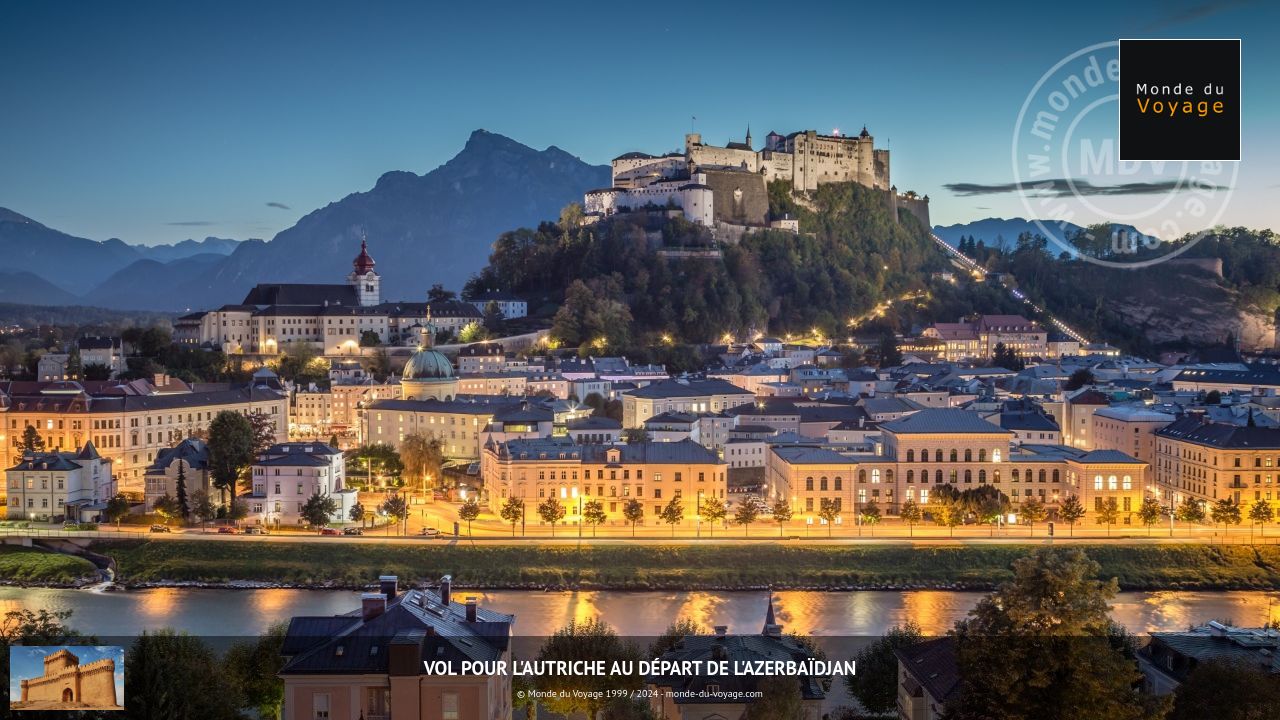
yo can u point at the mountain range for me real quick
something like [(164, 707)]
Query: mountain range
[(422, 229), (991, 231)]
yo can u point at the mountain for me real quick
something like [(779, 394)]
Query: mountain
[(991, 230), (187, 248), (24, 287), (151, 284), (422, 229)]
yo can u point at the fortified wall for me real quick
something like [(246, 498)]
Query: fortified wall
[(66, 681)]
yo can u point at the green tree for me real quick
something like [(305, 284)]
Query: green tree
[(551, 511), (829, 510), (1226, 512), (1022, 648), (494, 322), (380, 364), (871, 515), (1213, 397), (396, 508), (469, 511), (1079, 379), (673, 513), (264, 431), (675, 633), (1150, 512), (633, 512), (184, 509), (512, 512), (166, 507), (251, 667), (75, 367), (231, 448), (171, 675), (747, 512), (97, 372), (318, 510), (31, 441), (1223, 690), (875, 685), (591, 640), (1108, 513), (890, 355), (1190, 511), (781, 512), (1261, 513), (635, 436), (1071, 512), (910, 514), (437, 294), (237, 510), (117, 507), (1032, 512), (594, 515), (714, 512), (423, 457), (202, 506), (780, 699), (356, 513), (369, 338)]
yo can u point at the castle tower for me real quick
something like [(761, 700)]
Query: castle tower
[(368, 284), (749, 136)]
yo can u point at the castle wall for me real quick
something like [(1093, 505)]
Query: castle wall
[(917, 206), (639, 172), (92, 684), (740, 198)]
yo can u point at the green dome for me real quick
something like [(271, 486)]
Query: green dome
[(427, 364)]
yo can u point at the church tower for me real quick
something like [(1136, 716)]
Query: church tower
[(749, 145), (367, 283)]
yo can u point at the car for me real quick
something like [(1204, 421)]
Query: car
[(256, 531), (328, 531), (226, 530), (70, 525), (429, 532), (160, 529), (352, 531)]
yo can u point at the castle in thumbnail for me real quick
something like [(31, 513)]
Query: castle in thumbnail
[(68, 685), (727, 186)]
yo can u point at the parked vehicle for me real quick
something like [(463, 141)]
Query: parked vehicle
[(329, 531), (160, 529), (257, 530), (352, 531), (226, 530), (429, 532)]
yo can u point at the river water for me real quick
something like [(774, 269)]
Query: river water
[(225, 613)]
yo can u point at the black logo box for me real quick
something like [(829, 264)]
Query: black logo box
[(1188, 64)]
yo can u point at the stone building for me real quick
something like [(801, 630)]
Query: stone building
[(44, 485), (686, 396), (66, 684), (1209, 461), (286, 475), (191, 456), (105, 351), (977, 338)]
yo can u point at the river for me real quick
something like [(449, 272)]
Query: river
[(224, 613)]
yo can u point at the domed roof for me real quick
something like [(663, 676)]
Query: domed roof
[(363, 262), (427, 364)]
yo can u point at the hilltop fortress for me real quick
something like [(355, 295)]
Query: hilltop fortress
[(725, 188)]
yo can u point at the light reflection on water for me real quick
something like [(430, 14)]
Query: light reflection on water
[(245, 612)]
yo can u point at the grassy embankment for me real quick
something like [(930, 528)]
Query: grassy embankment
[(24, 565), (643, 567)]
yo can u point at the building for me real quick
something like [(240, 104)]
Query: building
[(702, 696), (686, 396), (287, 474), (106, 352), (371, 662), (459, 424), (1170, 657), (1208, 461), (45, 485), (191, 458), (428, 375), (977, 338), (928, 678), (594, 429), (509, 305), (321, 412), (128, 423), (483, 357), (66, 684), (651, 472), (1129, 428), (1075, 416)]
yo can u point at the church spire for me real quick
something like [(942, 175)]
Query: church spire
[(749, 135)]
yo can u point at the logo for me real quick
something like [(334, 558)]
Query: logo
[(1088, 202)]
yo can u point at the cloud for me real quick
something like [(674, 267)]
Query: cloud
[(192, 223), (280, 205), (1060, 187), (1196, 12)]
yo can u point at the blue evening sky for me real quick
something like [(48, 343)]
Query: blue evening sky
[(28, 662), (154, 122)]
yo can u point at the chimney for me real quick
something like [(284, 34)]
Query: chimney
[(389, 585), (471, 609), (446, 590), (372, 605)]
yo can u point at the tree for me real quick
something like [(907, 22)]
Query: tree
[(714, 512), (231, 448), (75, 366), (1261, 513), (829, 510), (871, 515), (31, 441), (251, 667), (396, 508), (171, 675), (573, 693), (1108, 513), (594, 515), (635, 436), (1227, 512), (747, 512), (633, 512), (1223, 690), (551, 511), (264, 431), (166, 507), (1006, 357), (781, 512), (513, 512), (890, 355), (380, 364), (469, 511), (202, 506), (875, 685), (1213, 397), (117, 507), (1190, 511), (184, 509), (494, 321), (1071, 512), (97, 372), (1150, 512), (473, 332), (780, 699), (1022, 648), (423, 457), (1079, 379), (673, 513), (1032, 511), (356, 513), (237, 510), (318, 510), (910, 514), (369, 338), (381, 456), (437, 294)]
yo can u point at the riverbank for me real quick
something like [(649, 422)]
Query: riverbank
[(28, 566), (142, 563)]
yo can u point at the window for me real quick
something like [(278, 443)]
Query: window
[(449, 706), (1097, 482), (320, 706)]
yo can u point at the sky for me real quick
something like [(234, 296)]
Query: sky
[(28, 662), (155, 122)]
